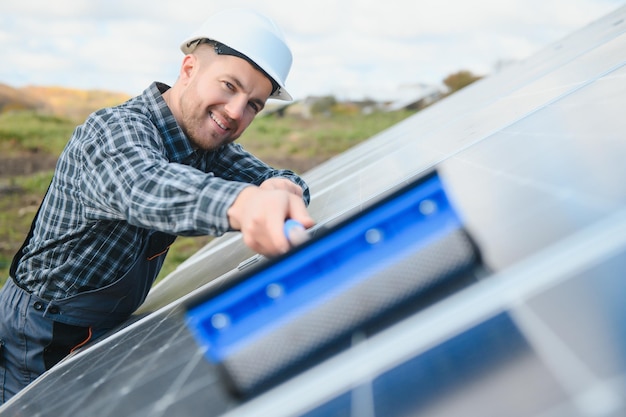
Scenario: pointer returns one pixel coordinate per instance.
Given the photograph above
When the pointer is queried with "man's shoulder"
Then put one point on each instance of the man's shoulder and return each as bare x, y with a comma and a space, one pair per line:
133, 112
146, 109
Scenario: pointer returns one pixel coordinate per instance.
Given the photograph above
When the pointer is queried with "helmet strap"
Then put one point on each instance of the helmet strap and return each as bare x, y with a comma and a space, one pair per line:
222, 49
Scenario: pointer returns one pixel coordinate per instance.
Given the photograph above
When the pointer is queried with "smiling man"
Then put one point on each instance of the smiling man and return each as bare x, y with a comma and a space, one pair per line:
135, 176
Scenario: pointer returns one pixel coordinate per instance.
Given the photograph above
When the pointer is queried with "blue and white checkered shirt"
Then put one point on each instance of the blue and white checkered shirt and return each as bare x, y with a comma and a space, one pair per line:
128, 170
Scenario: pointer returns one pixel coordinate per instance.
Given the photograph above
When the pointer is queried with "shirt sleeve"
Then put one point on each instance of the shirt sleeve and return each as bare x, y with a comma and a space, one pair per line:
234, 163
126, 176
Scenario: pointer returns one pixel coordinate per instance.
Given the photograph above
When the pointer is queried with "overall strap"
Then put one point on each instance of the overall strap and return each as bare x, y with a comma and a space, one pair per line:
20, 252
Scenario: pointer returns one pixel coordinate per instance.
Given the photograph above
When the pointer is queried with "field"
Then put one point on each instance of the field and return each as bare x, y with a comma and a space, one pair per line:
30, 142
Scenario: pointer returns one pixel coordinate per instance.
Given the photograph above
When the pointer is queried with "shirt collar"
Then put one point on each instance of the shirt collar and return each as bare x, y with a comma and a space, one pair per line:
177, 146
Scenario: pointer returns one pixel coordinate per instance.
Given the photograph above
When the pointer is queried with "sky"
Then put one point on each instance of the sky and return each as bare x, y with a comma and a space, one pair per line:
352, 49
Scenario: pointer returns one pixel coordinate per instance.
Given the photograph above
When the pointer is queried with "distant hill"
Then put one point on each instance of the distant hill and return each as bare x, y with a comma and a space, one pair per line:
15, 99
71, 103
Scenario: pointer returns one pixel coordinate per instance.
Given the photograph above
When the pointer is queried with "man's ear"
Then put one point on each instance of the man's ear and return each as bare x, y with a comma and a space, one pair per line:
188, 66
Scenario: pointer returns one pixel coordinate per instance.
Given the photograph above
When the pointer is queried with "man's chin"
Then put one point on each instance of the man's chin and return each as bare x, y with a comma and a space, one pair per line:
208, 144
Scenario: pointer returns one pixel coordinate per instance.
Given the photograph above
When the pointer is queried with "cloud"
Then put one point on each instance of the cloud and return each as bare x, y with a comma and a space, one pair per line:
349, 48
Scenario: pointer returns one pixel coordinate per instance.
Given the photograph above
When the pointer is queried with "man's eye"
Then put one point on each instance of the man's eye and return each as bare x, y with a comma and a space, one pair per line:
229, 85
254, 106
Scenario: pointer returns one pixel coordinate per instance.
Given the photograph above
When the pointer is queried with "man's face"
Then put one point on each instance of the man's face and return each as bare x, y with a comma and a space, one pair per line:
221, 96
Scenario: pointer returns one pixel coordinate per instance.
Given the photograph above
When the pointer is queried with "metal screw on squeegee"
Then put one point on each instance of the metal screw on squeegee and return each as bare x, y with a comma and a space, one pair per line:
274, 290
428, 207
373, 236
220, 321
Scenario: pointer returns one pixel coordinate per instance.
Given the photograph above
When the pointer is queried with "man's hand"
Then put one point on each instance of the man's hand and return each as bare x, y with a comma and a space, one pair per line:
282, 184
260, 213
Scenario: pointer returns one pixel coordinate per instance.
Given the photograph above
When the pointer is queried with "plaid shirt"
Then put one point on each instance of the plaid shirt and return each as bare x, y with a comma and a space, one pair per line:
128, 170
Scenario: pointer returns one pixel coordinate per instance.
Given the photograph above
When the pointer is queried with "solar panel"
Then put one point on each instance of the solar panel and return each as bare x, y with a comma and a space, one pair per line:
532, 158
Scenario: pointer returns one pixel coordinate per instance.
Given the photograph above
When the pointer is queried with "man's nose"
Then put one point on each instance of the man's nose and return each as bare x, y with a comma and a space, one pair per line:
236, 107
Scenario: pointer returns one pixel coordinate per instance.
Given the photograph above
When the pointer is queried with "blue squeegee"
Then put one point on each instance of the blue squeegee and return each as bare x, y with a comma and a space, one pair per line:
276, 318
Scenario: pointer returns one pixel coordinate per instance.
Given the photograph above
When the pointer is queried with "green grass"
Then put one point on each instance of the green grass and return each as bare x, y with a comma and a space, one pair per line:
287, 139
18, 205
30, 131
320, 137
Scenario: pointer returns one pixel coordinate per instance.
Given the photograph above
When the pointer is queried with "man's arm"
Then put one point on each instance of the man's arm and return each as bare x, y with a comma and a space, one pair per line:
127, 177
260, 212
136, 183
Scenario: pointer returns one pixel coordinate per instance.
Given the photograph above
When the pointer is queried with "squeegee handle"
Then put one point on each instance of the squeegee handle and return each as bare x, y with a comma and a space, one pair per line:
295, 232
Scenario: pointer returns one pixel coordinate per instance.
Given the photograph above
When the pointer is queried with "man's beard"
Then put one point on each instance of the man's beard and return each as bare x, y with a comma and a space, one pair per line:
201, 138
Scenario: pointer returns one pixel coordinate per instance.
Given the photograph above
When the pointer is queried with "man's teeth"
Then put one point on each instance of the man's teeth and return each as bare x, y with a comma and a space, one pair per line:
218, 122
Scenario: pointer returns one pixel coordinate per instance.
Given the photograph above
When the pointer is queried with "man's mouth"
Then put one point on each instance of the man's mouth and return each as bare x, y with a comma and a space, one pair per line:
220, 124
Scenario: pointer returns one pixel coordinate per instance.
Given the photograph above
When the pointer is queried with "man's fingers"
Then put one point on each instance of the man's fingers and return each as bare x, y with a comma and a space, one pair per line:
260, 215
295, 232
298, 212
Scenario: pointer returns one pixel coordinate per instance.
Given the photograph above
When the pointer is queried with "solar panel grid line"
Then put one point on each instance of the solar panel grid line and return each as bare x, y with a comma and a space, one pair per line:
148, 369
98, 353
363, 401
121, 333
161, 406
160, 363
362, 396
588, 392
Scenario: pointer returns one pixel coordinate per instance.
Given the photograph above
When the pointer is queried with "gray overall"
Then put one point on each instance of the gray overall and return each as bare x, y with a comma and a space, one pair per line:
35, 334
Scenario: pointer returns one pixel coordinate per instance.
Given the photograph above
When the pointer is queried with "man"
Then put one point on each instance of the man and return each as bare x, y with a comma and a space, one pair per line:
134, 176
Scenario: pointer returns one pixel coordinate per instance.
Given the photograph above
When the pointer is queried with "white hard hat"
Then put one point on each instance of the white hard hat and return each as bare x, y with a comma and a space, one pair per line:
252, 35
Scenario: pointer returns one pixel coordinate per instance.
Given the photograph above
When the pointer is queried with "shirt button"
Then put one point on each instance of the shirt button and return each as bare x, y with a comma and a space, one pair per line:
38, 305
54, 310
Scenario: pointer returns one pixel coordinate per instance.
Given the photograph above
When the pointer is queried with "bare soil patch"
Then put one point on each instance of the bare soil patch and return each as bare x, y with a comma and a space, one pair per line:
26, 164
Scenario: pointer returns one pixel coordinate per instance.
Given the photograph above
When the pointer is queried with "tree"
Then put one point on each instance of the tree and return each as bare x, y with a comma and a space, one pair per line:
460, 79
